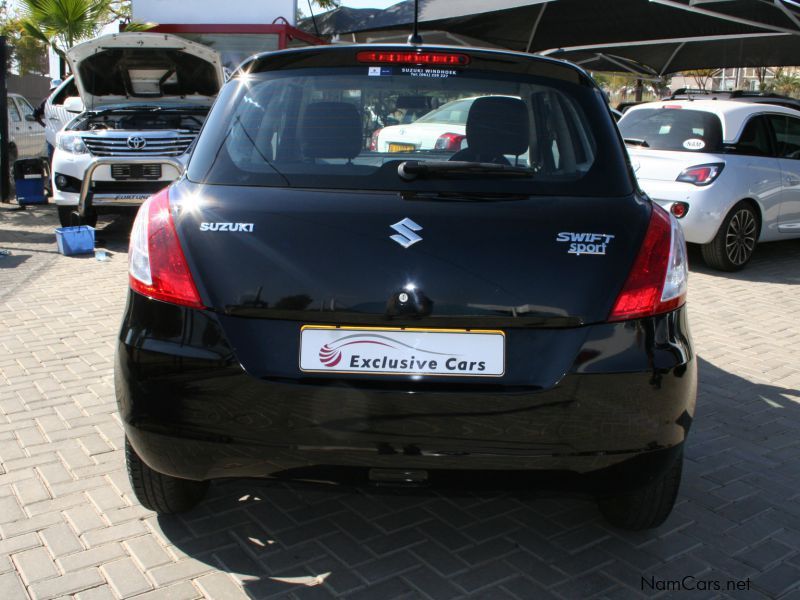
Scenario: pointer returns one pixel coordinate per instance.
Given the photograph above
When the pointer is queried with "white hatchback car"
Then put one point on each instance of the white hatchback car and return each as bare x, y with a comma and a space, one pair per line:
729, 171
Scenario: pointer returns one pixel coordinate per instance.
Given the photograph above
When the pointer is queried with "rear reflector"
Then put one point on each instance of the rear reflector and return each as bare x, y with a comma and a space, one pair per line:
679, 209
413, 58
657, 281
156, 263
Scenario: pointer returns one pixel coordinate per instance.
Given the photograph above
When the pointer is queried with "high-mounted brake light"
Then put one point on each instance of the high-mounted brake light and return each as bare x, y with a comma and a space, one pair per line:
701, 174
444, 59
156, 265
657, 281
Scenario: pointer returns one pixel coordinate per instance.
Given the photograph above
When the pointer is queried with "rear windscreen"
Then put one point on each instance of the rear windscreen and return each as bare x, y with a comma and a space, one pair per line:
673, 129
350, 127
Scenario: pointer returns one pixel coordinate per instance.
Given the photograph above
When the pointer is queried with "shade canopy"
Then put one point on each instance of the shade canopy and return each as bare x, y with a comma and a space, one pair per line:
652, 37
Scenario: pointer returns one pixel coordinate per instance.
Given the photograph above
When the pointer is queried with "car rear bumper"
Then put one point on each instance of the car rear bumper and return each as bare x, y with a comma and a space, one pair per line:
191, 410
707, 205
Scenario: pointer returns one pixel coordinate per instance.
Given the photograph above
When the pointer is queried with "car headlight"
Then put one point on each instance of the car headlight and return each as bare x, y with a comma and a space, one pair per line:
69, 142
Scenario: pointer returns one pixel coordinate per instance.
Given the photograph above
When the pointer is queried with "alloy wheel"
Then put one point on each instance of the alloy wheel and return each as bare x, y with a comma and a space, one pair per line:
740, 239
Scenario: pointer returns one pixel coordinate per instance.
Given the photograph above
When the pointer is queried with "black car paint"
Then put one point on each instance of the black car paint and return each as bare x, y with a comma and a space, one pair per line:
327, 256
192, 410
218, 392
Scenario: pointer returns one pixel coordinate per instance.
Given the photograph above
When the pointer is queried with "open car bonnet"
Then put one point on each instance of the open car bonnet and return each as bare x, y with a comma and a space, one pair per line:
138, 68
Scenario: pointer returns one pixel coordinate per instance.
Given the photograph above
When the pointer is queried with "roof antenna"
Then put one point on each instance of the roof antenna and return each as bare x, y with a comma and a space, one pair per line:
313, 19
415, 37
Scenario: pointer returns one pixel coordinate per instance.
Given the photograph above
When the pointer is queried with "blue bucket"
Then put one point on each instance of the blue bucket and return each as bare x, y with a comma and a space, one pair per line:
75, 240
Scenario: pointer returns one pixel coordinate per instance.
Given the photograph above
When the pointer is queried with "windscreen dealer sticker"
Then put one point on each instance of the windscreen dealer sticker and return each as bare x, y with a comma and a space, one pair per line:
325, 349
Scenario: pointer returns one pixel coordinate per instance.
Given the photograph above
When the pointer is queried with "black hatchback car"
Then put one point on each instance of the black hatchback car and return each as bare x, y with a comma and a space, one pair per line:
497, 295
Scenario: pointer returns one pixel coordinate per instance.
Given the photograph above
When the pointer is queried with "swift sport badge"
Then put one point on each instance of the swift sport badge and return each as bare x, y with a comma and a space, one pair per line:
405, 232
585, 243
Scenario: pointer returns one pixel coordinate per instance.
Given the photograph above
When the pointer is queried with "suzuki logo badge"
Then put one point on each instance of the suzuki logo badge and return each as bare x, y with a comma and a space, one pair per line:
137, 143
405, 232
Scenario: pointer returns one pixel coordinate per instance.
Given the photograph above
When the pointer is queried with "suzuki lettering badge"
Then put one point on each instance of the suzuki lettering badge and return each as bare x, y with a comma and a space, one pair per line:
405, 232
136, 142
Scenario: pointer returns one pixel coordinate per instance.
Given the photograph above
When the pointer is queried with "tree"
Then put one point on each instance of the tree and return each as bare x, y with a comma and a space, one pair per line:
785, 84
27, 54
701, 76
761, 74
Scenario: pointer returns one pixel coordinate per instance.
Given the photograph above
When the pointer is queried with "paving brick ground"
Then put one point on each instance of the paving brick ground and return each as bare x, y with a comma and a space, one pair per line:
70, 526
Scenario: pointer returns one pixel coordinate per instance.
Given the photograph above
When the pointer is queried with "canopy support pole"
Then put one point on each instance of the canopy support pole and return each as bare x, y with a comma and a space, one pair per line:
641, 74
790, 14
535, 27
671, 58
724, 17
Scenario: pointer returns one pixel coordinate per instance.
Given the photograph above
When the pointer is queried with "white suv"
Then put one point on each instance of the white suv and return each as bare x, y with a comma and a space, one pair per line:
729, 171
144, 99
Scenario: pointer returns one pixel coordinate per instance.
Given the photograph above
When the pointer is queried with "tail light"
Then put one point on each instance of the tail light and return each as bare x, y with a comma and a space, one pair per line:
701, 174
657, 281
449, 141
373, 140
157, 266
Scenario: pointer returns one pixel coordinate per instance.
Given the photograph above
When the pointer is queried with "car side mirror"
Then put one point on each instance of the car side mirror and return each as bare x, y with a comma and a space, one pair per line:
74, 104
30, 117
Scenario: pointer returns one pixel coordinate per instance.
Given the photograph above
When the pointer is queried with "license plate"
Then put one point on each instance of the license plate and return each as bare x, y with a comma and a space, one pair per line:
395, 147
393, 351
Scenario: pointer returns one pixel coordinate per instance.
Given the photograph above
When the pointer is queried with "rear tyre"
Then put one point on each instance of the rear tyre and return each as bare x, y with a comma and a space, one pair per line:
68, 216
733, 246
161, 493
645, 507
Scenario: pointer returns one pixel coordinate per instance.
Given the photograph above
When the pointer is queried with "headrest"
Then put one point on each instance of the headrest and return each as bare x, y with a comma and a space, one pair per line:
331, 130
498, 124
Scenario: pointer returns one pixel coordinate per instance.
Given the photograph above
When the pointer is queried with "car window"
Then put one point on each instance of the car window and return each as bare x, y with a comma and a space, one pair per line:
787, 135
756, 138
454, 113
25, 106
673, 129
13, 112
337, 128
68, 89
